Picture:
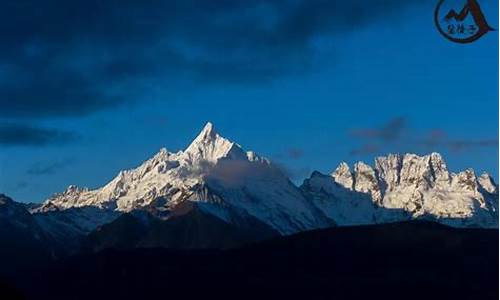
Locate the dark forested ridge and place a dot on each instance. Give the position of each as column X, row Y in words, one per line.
column 395, row 261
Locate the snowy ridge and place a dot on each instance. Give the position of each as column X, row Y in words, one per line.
column 406, row 187
column 213, row 171
column 217, row 176
column 165, row 174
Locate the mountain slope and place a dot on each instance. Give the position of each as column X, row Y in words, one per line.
column 194, row 229
column 23, row 242
column 68, row 227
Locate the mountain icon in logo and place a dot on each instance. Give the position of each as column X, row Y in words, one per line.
column 464, row 27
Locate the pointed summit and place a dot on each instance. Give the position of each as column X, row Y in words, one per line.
column 207, row 132
column 207, row 136
column 343, row 176
column 210, row 146
column 488, row 183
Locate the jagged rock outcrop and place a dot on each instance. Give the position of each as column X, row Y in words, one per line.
column 409, row 187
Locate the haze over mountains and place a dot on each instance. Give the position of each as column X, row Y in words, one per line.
column 214, row 194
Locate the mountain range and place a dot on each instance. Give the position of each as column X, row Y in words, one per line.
column 214, row 194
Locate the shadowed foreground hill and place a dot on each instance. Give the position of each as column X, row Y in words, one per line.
column 395, row 261
column 193, row 230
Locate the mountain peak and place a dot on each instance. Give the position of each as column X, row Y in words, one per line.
column 206, row 135
column 343, row 176
column 210, row 146
column 487, row 183
column 208, row 131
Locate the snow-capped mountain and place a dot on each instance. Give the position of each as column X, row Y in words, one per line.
column 405, row 187
column 215, row 178
column 214, row 174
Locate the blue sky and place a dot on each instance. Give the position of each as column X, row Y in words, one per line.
column 307, row 85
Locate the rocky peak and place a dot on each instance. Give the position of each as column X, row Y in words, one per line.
column 439, row 169
column 365, row 180
column 411, row 186
column 466, row 181
column 74, row 190
column 317, row 174
column 389, row 169
column 343, row 176
column 210, row 146
column 416, row 171
column 4, row 200
column 410, row 173
column 11, row 209
column 162, row 155
column 487, row 183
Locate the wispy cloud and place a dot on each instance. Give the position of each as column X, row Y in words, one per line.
column 291, row 153
column 365, row 149
column 390, row 131
column 372, row 139
column 14, row 134
column 396, row 135
column 294, row 153
column 438, row 138
column 40, row 168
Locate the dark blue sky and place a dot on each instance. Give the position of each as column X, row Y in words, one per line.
column 88, row 88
